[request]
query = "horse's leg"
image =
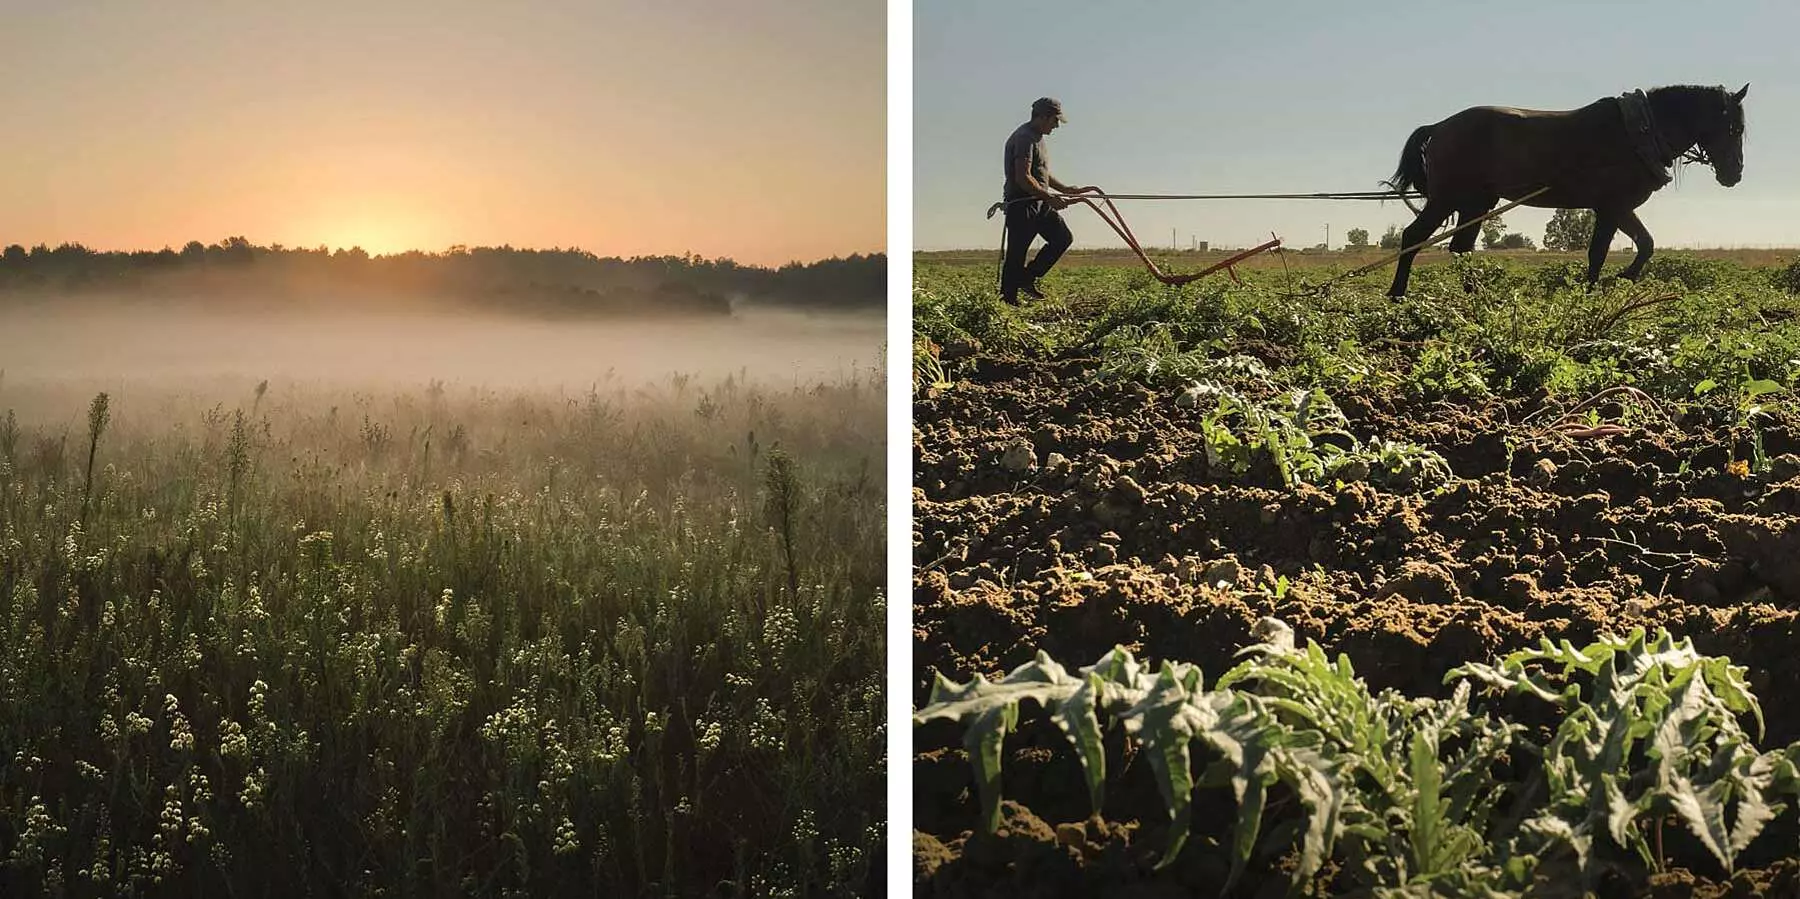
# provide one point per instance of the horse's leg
(1430, 219)
(1634, 229)
(1606, 224)
(1464, 241)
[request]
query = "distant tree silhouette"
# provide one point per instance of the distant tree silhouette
(559, 278)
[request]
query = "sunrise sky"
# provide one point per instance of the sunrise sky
(750, 131)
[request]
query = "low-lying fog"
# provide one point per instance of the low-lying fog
(159, 346)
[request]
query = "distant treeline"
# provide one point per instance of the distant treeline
(555, 280)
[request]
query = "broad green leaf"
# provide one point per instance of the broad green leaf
(1251, 787)
(1704, 814)
(1621, 817)
(1754, 812)
(984, 740)
(1759, 387)
(1428, 826)
(1729, 683)
(1164, 722)
(989, 711)
(1074, 715)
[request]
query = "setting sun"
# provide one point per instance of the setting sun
(378, 234)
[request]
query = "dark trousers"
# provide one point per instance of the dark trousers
(1025, 221)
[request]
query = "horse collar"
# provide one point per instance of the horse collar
(1646, 141)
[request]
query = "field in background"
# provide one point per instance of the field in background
(1427, 486)
(622, 640)
(1193, 260)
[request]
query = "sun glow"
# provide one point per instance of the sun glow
(378, 237)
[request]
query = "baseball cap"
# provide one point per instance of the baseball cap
(1048, 106)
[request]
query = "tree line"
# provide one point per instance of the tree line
(1568, 229)
(502, 275)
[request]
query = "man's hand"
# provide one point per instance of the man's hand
(1091, 189)
(1059, 203)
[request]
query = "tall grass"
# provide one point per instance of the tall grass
(432, 645)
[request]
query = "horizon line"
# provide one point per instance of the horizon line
(449, 250)
(1223, 247)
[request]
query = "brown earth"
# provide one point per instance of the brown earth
(1057, 511)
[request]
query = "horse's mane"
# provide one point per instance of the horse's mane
(1685, 94)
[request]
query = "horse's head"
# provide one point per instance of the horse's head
(1720, 127)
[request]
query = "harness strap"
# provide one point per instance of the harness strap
(1646, 140)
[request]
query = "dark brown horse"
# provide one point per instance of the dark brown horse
(1608, 156)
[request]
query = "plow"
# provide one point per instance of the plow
(1115, 220)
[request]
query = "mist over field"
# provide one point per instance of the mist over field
(126, 346)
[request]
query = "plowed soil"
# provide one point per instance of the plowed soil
(1055, 510)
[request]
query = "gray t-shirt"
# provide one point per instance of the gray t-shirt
(1025, 142)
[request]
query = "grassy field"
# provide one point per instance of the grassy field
(1227, 588)
(1343, 259)
(308, 641)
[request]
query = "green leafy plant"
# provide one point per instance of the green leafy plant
(1446, 370)
(1415, 795)
(1753, 400)
(1152, 354)
(929, 372)
(1306, 439)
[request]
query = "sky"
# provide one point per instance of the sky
(1183, 97)
(623, 127)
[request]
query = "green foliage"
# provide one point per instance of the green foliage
(1788, 278)
(1447, 369)
(1151, 355)
(1357, 238)
(1652, 730)
(1415, 796)
(1569, 230)
(1473, 325)
(928, 369)
(589, 644)
(781, 504)
(1305, 440)
(1752, 401)
(1691, 271)
(973, 313)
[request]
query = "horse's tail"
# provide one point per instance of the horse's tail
(1411, 171)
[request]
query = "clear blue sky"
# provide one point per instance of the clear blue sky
(1173, 97)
